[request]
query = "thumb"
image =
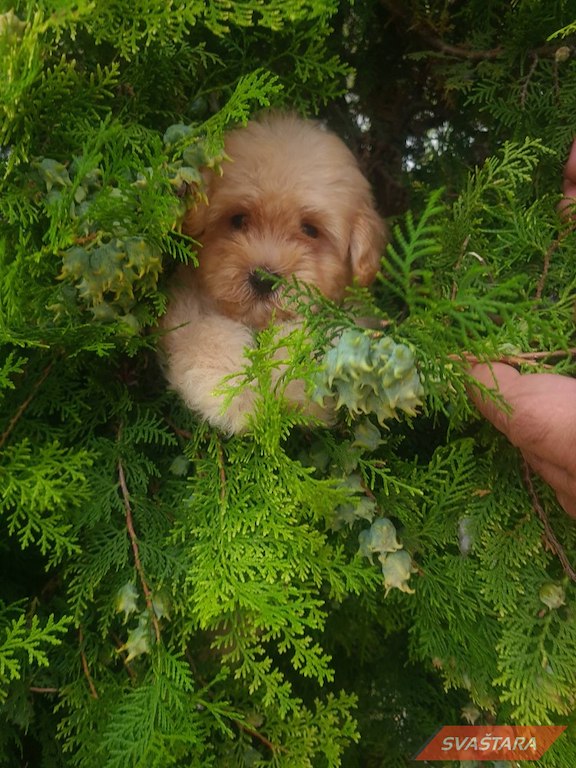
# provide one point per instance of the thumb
(501, 378)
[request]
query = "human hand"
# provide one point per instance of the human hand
(542, 421)
(566, 206)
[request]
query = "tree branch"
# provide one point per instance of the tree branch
(256, 735)
(36, 689)
(222, 470)
(17, 416)
(554, 245)
(550, 536)
(458, 51)
(85, 668)
(135, 549)
(184, 433)
(426, 33)
(522, 358)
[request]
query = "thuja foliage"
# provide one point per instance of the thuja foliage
(300, 595)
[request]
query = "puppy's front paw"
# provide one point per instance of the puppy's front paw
(324, 413)
(203, 391)
(234, 419)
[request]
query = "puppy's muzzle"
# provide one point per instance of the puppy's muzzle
(264, 281)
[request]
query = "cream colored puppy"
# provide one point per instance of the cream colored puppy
(292, 202)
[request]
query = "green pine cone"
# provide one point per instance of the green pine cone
(116, 273)
(371, 373)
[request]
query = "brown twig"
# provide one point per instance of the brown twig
(458, 265)
(87, 675)
(367, 491)
(222, 469)
(556, 80)
(522, 358)
(184, 433)
(459, 51)
(120, 648)
(472, 54)
(428, 35)
(18, 415)
(85, 239)
(425, 33)
(550, 536)
(135, 550)
(35, 689)
(526, 83)
(255, 734)
(554, 245)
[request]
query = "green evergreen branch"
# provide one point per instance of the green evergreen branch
(534, 688)
(37, 488)
(410, 281)
(28, 640)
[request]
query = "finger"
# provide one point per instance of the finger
(501, 378)
(567, 503)
(566, 207)
(559, 478)
(542, 413)
(570, 169)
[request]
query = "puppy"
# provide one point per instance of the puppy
(292, 202)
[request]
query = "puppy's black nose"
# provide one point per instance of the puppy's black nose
(263, 281)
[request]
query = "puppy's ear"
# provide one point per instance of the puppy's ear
(194, 221)
(367, 240)
(195, 218)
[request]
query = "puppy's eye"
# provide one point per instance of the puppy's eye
(309, 229)
(239, 220)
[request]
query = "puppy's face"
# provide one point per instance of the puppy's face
(292, 202)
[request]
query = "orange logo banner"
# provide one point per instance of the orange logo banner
(482, 742)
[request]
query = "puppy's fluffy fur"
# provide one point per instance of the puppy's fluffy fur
(292, 202)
